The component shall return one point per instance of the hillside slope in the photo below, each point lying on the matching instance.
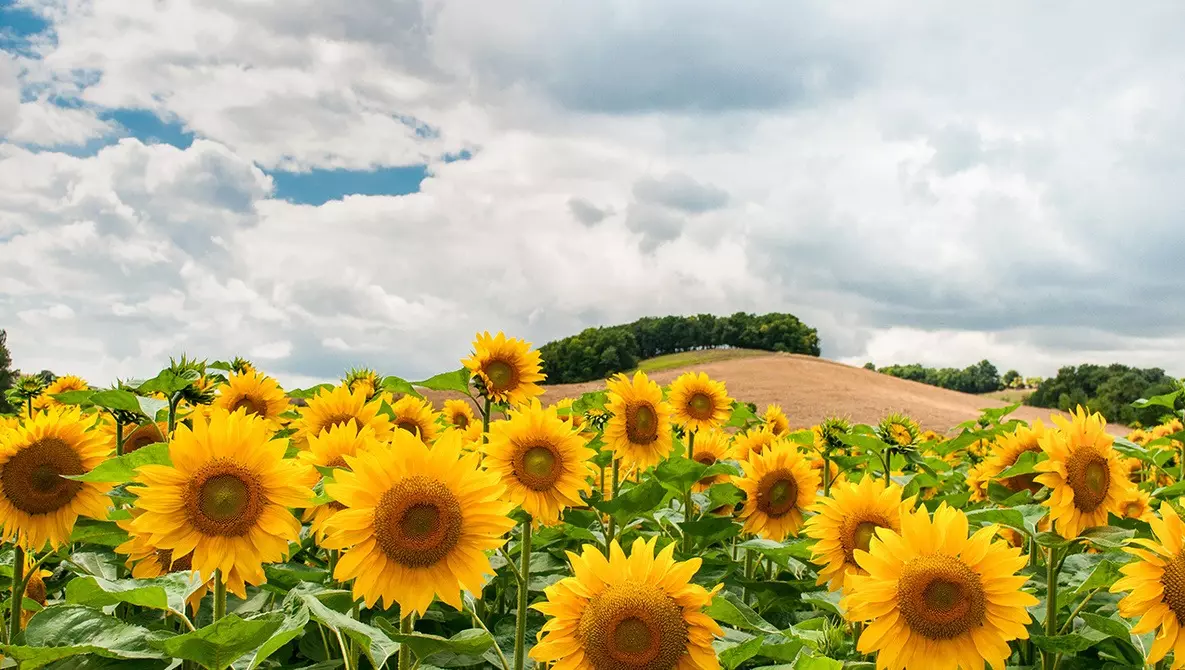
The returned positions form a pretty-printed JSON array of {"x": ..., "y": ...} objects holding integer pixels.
[{"x": 809, "y": 389}]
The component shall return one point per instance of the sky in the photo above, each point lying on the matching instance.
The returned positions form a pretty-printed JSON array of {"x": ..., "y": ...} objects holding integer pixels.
[{"x": 319, "y": 185}]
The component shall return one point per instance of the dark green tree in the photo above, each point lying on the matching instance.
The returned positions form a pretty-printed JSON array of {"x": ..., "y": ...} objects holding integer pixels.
[{"x": 6, "y": 373}]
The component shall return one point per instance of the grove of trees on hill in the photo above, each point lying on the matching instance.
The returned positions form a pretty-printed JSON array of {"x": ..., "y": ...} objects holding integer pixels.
[
  {"x": 597, "y": 353},
  {"x": 1108, "y": 389},
  {"x": 983, "y": 377}
]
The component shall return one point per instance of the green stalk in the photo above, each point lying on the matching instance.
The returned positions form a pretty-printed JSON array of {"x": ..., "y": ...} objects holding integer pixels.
[
  {"x": 1049, "y": 657},
  {"x": 612, "y": 520},
  {"x": 748, "y": 575},
  {"x": 118, "y": 437},
  {"x": 520, "y": 625},
  {"x": 826, "y": 475},
  {"x": 687, "y": 510},
  {"x": 173, "y": 402},
  {"x": 219, "y": 596},
  {"x": 29, "y": 406},
  {"x": 485, "y": 421},
  {"x": 18, "y": 594},
  {"x": 406, "y": 626}
]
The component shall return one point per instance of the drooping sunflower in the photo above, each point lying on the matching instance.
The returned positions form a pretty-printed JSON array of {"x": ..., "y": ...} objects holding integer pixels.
[
  {"x": 775, "y": 420},
  {"x": 37, "y": 505},
  {"x": 779, "y": 485},
  {"x": 752, "y": 442},
  {"x": 1155, "y": 583},
  {"x": 898, "y": 429},
  {"x": 1007, "y": 449},
  {"x": 414, "y": 415},
  {"x": 225, "y": 498},
  {"x": 335, "y": 407},
  {"x": 936, "y": 598},
  {"x": 1085, "y": 475},
  {"x": 639, "y": 432},
  {"x": 417, "y": 525},
  {"x": 847, "y": 521},
  {"x": 698, "y": 402},
  {"x": 541, "y": 459},
  {"x": 712, "y": 446},
  {"x": 508, "y": 368},
  {"x": 633, "y": 613},
  {"x": 329, "y": 450},
  {"x": 59, "y": 385},
  {"x": 257, "y": 393}
]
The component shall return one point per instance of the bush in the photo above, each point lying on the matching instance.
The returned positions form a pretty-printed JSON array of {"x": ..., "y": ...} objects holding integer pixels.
[
  {"x": 983, "y": 377},
  {"x": 1109, "y": 390}
]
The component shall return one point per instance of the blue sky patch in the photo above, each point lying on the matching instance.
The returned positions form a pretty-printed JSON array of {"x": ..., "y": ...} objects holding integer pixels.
[
  {"x": 149, "y": 128},
  {"x": 318, "y": 187},
  {"x": 17, "y": 25}
]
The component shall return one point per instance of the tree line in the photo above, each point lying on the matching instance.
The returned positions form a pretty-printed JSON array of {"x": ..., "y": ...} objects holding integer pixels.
[
  {"x": 597, "y": 353},
  {"x": 1107, "y": 389},
  {"x": 982, "y": 377}
]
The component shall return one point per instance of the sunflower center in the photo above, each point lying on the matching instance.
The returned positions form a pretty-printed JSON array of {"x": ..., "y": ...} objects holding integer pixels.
[
  {"x": 537, "y": 466},
  {"x": 141, "y": 437},
  {"x": 705, "y": 458},
  {"x": 940, "y": 597},
  {"x": 31, "y": 478},
  {"x": 1089, "y": 476},
  {"x": 862, "y": 536},
  {"x": 417, "y": 522},
  {"x": 641, "y": 424},
  {"x": 700, "y": 406},
  {"x": 633, "y": 626},
  {"x": 502, "y": 375},
  {"x": 460, "y": 420},
  {"x": 1132, "y": 510},
  {"x": 1173, "y": 581},
  {"x": 337, "y": 420},
  {"x": 777, "y": 493},
  {"x": 224, "y": 498},
  {"x": 410, "y": 426},
  {"x": 252, "y": 405}
]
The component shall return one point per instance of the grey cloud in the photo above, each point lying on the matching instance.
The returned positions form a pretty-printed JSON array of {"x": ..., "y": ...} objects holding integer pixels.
[
  {"x": 679, "y": 191},
  {"x": 655, "y": 224},
  {"x": 586, "y": 212}
]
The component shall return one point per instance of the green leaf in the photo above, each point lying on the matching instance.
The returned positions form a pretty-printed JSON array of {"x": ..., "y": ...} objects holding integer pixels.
[
  {"x": 62, "y": 631},
  {"x": 82, "y": 398},
  {"x": 996, "y": 414},
  {"x": 1023, "y": 465},
  {"x": 805, "y": 438},
  {"x": 161, "y": 593},
  {"x": 869, "y": 443},
  {"x": 635, "y": 501},
  {"x": 733, "y": 656},
  {"x": 289, "y": 575},
  {"x": 167, "y": 382},
  {"x": 374, "y": 642},
  {"x": 1104, "y": 575},
  {"x": 122, "y": 400},
  {"x": 458, "y": 380},
  {"x": 711, "y": 529},
  {"x": 223, "y": 642},
  {"x": 1005, "y": 517},
  {"x": 104, "y": 533},
  {"x": 780, "y": 553},
  {"x": 724, "y": 493},
  {"x": 590, "y": 400},
  {"x": 470, "y": 642},
  {"x": 1167, "y": 400},
  {"x": 296, "y": 617},
  {"x": 1106, "y": 537},
  {"x": 1071, "y": 643},
  {"x": 1170, "y": 491},
  {"x": 808, "y": 661},
  {"x": 1111, "y": 627},
  {"x": 399, "y": 385},
  {"x": 741, "y": 415},
  {"x": 678, "y": 474},
  {"x": 309, "y": 393},
  {"x": 727, "y": 608},
  {"x": 152, "y": 407},
  {"x": 123, "y": 468}
]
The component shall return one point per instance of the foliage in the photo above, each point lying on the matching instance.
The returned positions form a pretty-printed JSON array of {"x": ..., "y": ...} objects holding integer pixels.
[
  {"x": 1109, "y": 390},
  {"x": 597, "y": 353},
  {"x": 979, "y": 378},
  {"x": 6, "y": 373}
]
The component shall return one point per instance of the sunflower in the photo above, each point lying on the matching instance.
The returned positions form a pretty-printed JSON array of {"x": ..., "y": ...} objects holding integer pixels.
[
  {"x": 329, "y": 450},
  {"x": 930, "y": 436},
  {"x": 363, "y": 379},
  {"x": 337, "y": 406},
  {"x": 1085, "y": 474},
  {"x": 59, "y": 385},
  {"x": 752, "y": 442},
  {"x": 257, "y": 393},
  {"x": 225, "y": 497},
  {"x": 507, "y": 367},
  {"x": 1007, "y": 449},
  {"x": 847, "y": 521},
  {"x": 778, "y": 484},
  {"x": 414, "y": 415},
  {"x": 937, "y": 598},
  {"x": 977, "y": 482},
  {"x": 628, "y": 613},
  {"x": 143, "y": 435},
  {"x": 37, "y": 505},
  {"x": 1139, "y": 506},
  {"x": 775, "y": 420},
  {"x": 1139, "y": 436},
  {"x": 711, "y": 447},
  {"x": 148, "y": 562},
  {"x": 564, "y": 409},
  {"x": 1156, "y": 585},
  {"x": 459, "y": 413},
  {"x": 416, "y": 525},
  {"x": 542, "y": 461},
  {"x": 639, "y": 431},
  {"x": 898, "y": 430},
  {"x": 698, "y": 402}
]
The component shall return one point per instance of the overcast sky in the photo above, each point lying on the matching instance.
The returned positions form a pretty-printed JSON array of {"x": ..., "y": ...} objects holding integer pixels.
[{"x": 315, "y": 185}]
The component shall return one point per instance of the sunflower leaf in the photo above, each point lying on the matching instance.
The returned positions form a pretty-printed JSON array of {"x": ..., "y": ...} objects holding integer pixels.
[
  {"x": 63, "y": 631},
  {"x": 679, "y": 473},
  {"x": 377, "y": 646},
  {"x": 83, "y": 398},
  {"x": 732, "y": 656},
  {"x": 223, "y": 642},
  {"x": 1024, "y": 465},
  {"x": 865, "y": 442},
  {"x": 398, "y": 385},
  {"x": 1071, "y": 643},
  {"x": 167, "y": 382},
  {"x": 809, "y": 661},
  {"x": 742, "y": 414},
  {"x": 457, "y": 380},
  {"x": 104, "y": 533},
  {"x": 309, "y": 393},
  {"x": 296, "y": 617},
  {"x": 590, "y": 400},
  {"x": 726, "y": 607},
  {"x": 162, "y": 593},
  {"x": 1167, "y": 400},
  {"x": 635, "y": 501},
  {"x": 470, "y": 642},
  {"x": 1112, "y": 627},
  {"x": 121, "y": 400},
  {"x": 805, "y": 438},
  {"x": 123, "y": 468}
]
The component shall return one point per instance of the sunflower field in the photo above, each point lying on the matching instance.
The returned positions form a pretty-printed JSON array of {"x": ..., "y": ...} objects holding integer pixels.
[{"x": 207, "y": 518}]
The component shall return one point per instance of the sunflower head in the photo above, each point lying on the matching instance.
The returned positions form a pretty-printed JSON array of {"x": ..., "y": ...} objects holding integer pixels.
[
  {"x": 1139, "y": 506},
  {"x": 775, "y": 419},
  {"x": 753, "y": 441},
  {"x": 148, "y": 562},
  {"x": 898, "y": 430},
  {"x": 779, "y": 484},
  {"x": 847, "y": 521},
  {"x": 1007, "y": 449},
  {"x": 827, "y": 436},
  {"x": 254, "y": 393},
  {"x": 977, "y": 482},
  {"x": 329, "y": 450},
  {"x": 711, "y": 447},
  {"x": 564, "y": 409},
  {"x": 201, "y": 388},
  {"x": 337, "y": 406},
  {"x": 628, "y": 613},
  {"x": 364, "y": 379},
  {"x": 28, "y": 387},
  {"x": 1155, "y": 586},
  {"x": 639, "y": 430},
  {"x": 541, "y": 459},
  {"x": 60, "y": 385},
  {"x": 458, "y": 413},
  {"x": 414, "y": 415},
  {"x": 699, "y": 402},
  {"x": 507, "y": 369}
]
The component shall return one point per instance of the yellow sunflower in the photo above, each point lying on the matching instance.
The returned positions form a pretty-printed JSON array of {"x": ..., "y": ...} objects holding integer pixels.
[
  {"x": 711, "y": 447},
  {"x": 752, "y": 442},
  {"x": 628, "y": 613},
  {"x": 257, "y": 393},
  {"x": 418, "y": 525},
  {"x": 775, "y": 420},
  {"x": 1085, "y": 475},
  {"x": 1139, "y": 506},
  {"x": 541, "y": 459},
  {"x": 847, "y": 521},
  {"x": 1007, "y": 449},
  {"x": 143, "y": 435},
  {"x": 414, "y": 415},
  {"x": 337, "y": 406},
  {"x": 1139, "y": 436},
  {"x": 898, "y": 429},
  {"x": 459, "y": 414},
  {"x": 225, "y": 498},
  {"x": 507, "y": 367},
  {"x": 564, "y": 409},
  {"x": 148, "y": 562},
  {"x": 329, "y": 450},
  {"x": 34, "y": 588},
  {"x": 1155, "y": 583},
  {"x": 936, "y": 598},
  {"x": 779, "y": 485},
  {"x": 977, "y": 482},
  {"x": 37, "y": 505},
  {"x": 698, "y": 402},
  {"x": 365, "y": 380},
  {"x": 816, "y": 463},
  {"x": 639, "y": 432},
  {"x": 59, "y": 385}
]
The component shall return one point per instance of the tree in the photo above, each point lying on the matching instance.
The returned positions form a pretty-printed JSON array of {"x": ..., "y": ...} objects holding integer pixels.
[
  {"x": 870, "y": 366},
  {"x": 1109, "y": 390},
  {"x": 1009, "y": 379},
  {"x": 6, "y": 373}
]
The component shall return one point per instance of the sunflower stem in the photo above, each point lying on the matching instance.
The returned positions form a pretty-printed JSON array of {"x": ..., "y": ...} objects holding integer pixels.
[
  {"x": 612, "y": 495},
  {"x": 219, "y": 596},
  {"x": 118, "y": 437},
  {"x": 1051, "y": 565},
  {"x": 485, "y": 421},
  {"x": 407, "y": 626},
  {"x": 524, "y": 587},
  {"x": 29, "y": 406},
  {"x": 826, "y": 475},
  {"x": 173, "y": 402},
  {"x": 18, "y": 594},
  {"x": 748, "y": 575},
  {"x": 688, "y": 512}
]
